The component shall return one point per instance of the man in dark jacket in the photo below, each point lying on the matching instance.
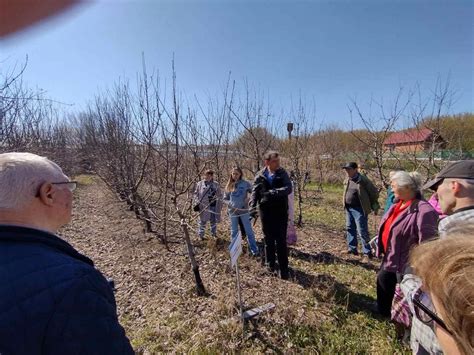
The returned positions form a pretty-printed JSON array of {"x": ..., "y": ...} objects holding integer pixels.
[
  {"x": 270, "y": 192},
  {"x": 52, "y": 299},
  {"x": 360, "y": 198}
]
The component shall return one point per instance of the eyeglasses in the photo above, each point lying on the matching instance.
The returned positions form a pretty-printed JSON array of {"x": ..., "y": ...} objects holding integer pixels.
[
  {"x": 426, "y": 313},
  {"x": 71, "y": 185}
]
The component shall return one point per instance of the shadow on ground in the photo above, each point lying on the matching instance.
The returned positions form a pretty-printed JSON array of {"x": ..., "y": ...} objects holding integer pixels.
[
  {"x": 325, "y": 288},
  {"x": 328, "y": 258}
]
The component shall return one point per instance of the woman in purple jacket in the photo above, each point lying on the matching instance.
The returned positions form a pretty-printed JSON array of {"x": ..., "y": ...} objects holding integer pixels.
[{"x": 409, "y": 221}]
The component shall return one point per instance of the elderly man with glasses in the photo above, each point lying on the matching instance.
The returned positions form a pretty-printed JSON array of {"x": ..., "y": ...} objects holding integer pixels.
[{"x": 52, "y": 299}]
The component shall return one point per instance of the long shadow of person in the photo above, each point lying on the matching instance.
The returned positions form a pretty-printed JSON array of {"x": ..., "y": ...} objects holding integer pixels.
[{"x": 327, "y": 258}]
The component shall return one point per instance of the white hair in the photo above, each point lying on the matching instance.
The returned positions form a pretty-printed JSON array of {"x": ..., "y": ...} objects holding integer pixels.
[
  {"x": 405, "y": 179},
  {"x": 393, "y": 172},
  {"x": 21, "y": 175}
]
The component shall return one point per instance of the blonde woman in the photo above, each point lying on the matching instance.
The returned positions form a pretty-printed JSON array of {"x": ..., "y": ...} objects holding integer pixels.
[{"x": 236, "y": 196}]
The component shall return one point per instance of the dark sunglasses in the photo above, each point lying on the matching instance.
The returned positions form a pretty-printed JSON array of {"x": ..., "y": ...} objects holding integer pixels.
[
  {"x": 71, "y": 185},
  {"x": 426, "y": 314}
]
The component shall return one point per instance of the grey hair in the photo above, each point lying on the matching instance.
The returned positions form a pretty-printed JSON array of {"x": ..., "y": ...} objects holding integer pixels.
[
  {"x": 411, "y": 180},
  {"x": 21, "y": 174},
  {"x": 393, "y": 172}
]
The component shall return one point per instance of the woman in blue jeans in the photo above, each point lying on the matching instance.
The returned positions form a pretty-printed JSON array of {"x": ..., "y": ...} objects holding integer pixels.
[{"x": 236, "y": 196}]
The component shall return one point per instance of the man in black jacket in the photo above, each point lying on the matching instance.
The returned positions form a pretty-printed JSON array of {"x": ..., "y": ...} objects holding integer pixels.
[{"x": 270, "y": 192}]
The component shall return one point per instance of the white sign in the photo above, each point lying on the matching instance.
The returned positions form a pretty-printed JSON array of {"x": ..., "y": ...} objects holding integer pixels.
[
  {"x": 235, "y": 249},
  {"x": 251, "y": 313}
]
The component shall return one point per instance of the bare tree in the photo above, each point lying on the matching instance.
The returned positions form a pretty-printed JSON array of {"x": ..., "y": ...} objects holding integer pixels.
[
  {"x": 145, "y": 151},
  {"x": 298, "y": 151},
  {"x": 256, "y": 127},
  {"x": 377, "y": 127}
]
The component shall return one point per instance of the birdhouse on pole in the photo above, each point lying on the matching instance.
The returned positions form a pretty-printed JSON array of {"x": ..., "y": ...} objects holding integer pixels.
[{"x": 289, "y": 128}]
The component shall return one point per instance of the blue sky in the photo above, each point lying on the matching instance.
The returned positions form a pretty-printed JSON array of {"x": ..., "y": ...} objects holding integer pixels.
[{"x": 329, "y": 51}]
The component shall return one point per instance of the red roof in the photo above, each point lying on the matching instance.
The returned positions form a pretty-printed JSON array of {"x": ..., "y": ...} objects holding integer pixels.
[{"x": 409, "y": 136}]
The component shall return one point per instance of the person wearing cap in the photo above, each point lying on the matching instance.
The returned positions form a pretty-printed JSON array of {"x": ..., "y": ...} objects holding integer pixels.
[
  {"x": 53, "y": 300},
  {"x": 360, "y": 199},
  {"x": 455, "y": 188}
]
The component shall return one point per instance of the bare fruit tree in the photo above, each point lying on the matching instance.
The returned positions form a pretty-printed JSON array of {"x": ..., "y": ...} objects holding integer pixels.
[
  {"x": 257, "y": 129},
  {"x": 298, "y": 151},
  {"x": 151, "y": 152},
  {"x": 377, "y": 126}
]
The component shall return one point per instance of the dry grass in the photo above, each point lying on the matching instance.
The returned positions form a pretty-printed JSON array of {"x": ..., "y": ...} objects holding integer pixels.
[{"x": 325, "y": 308}]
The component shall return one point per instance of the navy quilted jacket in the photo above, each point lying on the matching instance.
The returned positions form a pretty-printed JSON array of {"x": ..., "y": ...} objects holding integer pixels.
[{"x": 53, "y": 300}]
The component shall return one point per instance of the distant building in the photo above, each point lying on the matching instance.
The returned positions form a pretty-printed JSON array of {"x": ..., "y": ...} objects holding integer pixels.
[{"x": 414, "y": 140}]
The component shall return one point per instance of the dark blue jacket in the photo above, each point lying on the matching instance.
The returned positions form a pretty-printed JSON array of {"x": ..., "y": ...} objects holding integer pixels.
[
  {"x": 53, "y": 300},
  {"x": 271, "y": 196}
]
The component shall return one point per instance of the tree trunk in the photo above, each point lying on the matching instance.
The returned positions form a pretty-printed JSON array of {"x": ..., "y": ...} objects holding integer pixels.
[{"x": 200, "y": 290}]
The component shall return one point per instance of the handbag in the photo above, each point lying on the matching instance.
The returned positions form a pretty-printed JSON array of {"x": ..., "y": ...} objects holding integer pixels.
[
  {"x": 400, "y": 312},
  {"x": 291, "y": 234}
]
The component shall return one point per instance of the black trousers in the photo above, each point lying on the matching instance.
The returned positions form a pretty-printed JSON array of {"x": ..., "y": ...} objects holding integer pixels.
[
  {"x": 386, "y": 282},
  {"x": 274, "y": 226}
]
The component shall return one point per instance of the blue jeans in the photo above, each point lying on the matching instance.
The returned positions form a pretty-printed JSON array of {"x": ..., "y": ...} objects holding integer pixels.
[
  {"x": 202, "y": 224},
  {"x": 234, "y": 230},
  {"x": 356, "y": 225}
]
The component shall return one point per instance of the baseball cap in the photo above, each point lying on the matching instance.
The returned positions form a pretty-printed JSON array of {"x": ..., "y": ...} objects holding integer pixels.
[
  {"x": 350, "y": 165},
  {"x": 463, "y": 169}
]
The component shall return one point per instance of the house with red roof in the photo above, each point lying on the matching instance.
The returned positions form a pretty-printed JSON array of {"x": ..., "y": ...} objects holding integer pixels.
[{"x": 414, "y": 140}]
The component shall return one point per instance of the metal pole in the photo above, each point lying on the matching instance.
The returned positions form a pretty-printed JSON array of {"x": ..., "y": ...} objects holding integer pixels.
[{"x": 239, "y": 295}]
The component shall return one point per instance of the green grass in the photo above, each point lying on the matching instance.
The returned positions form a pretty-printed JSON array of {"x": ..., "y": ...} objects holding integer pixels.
[
  {"x": 84, "y": 179},
  {"x": 325, "y": 209},
  {"x": 331, "y": 188},
  {"x": 349, "y": 290},
  {"x": 349, "y": 333}
]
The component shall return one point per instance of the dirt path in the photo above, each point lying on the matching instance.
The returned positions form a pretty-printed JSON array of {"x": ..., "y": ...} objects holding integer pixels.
[{"x": 155, "y": 290}]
